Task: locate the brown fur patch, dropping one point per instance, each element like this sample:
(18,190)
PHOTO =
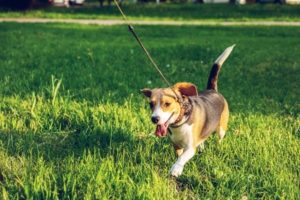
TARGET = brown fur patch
(166,99)
(224,117)
(178,150)
(198,127)
(186,89)
(169,104)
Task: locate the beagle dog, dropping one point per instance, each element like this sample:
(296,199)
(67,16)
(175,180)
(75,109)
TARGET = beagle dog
(189,117)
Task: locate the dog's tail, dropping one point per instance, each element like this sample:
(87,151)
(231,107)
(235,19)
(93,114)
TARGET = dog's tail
(212,83)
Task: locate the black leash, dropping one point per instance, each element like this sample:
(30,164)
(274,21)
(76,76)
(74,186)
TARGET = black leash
(131,29)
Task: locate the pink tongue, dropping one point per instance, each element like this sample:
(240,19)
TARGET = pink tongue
(161,130)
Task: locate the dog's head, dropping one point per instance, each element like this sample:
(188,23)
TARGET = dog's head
(165,105)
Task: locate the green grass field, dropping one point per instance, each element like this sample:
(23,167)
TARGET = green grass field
(211,12)
(73,124)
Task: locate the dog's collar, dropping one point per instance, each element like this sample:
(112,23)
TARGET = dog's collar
(185,111)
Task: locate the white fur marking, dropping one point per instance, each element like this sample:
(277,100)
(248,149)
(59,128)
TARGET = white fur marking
(177,168)
(163,116)
(221,59)
(221,134)
(182,137)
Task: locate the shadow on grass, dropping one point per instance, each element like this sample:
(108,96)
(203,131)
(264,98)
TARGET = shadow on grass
(59,145)
(184,183)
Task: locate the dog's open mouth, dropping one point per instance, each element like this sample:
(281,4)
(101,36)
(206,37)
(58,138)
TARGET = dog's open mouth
(161,130)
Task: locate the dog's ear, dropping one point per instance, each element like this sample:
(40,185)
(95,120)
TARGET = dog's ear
(186,89)
(147,92)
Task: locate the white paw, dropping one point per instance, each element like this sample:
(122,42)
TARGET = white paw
(176,170)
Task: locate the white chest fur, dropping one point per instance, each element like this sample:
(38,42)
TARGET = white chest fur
(182,136)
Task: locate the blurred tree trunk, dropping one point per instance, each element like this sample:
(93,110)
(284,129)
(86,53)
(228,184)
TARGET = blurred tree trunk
(101,3)
(198,1)
(17,4)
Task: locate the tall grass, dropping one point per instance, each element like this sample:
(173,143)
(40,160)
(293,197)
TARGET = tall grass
(74,126)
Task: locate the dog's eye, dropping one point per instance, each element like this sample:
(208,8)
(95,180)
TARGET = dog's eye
(167,104)
(151,104)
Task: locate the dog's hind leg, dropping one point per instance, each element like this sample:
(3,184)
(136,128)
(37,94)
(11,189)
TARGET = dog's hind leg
(223,122)
(221,133)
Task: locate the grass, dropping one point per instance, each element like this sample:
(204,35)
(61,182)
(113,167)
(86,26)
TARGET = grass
(74,126)
(212,12)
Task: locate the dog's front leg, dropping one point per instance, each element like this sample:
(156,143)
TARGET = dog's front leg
(177,168)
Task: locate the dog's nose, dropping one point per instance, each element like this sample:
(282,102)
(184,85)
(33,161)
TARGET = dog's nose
(155,119)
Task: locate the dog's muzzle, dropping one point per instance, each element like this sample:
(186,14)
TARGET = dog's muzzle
(155,119)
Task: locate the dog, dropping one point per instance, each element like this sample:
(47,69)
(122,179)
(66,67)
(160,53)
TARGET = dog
(189,117)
